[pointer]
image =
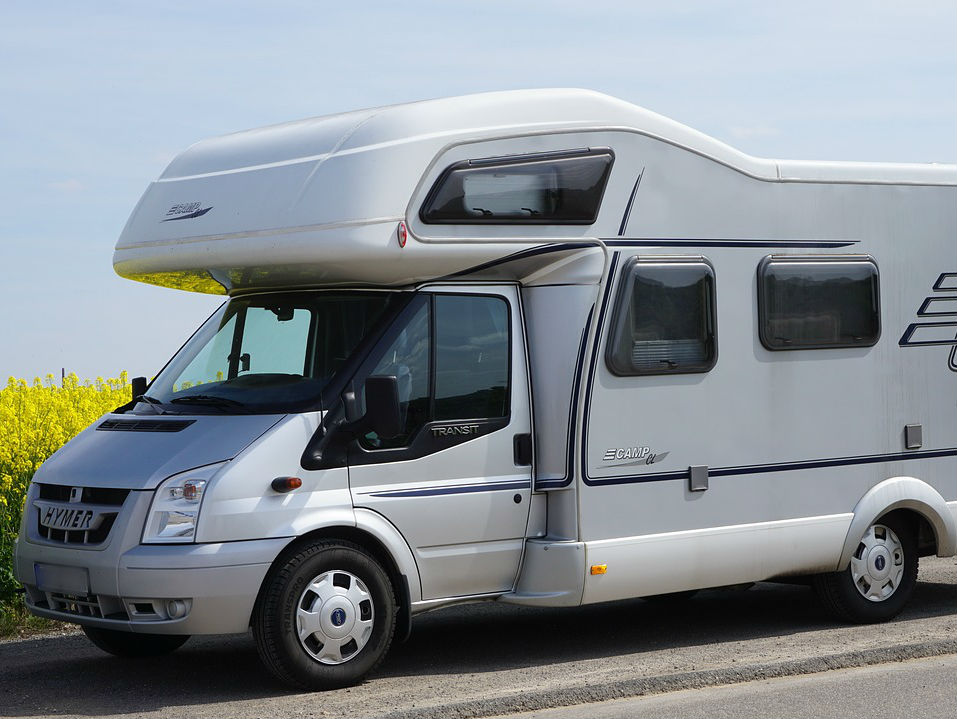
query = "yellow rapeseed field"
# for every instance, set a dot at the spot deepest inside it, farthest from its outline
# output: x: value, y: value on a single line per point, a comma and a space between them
x: 35, y: 420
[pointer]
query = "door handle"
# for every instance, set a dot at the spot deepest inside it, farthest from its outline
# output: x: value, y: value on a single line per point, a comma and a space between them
x: 522, y: 447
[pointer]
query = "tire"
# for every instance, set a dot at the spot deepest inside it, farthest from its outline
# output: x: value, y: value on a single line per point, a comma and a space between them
x: 132, y: 644
x: 671, y: 597
x: 325, y: 617
x: 880, y: 578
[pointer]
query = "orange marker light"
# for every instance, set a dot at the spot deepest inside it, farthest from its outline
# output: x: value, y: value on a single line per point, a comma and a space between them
x: 286, y: 484
x: 599, y: 568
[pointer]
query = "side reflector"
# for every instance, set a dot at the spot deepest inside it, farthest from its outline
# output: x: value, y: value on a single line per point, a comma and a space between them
x: 286, y: 484
x: 599, y: 568
x: 402, y: 233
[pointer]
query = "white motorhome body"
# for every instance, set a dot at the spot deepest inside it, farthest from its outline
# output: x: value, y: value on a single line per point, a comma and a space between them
x: 625, y: 358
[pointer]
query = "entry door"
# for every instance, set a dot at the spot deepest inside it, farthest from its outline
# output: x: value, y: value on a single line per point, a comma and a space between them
x: 455, y: 482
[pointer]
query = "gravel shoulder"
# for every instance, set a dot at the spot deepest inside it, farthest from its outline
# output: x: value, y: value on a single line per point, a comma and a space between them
x: 488, y: 659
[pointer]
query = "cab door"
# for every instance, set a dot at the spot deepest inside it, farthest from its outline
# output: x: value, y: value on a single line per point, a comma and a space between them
x: 457, y: 481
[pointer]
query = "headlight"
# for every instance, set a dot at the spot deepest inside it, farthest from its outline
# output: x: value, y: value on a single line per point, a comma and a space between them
x: 175, y: 511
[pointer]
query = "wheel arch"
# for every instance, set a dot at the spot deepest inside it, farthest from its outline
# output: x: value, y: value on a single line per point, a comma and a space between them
x: 379, y: 537
x: 902, y: 495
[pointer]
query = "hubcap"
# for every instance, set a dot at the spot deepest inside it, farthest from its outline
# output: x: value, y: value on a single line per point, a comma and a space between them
x: 877, y: 566
x: 334, y: 617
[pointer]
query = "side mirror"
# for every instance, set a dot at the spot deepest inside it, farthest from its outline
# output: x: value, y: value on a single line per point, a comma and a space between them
x: 138, y: 385
x: 383, y: 415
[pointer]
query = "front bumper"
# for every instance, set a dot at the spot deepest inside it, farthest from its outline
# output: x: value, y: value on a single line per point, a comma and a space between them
x: 154, y: 589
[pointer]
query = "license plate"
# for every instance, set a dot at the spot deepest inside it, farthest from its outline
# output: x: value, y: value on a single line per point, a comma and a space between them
x: 69, y: 580
x: 73, y: 519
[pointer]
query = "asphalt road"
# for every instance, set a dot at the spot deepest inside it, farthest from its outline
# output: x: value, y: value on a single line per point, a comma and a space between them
x: 925, y: 688
x: 488, y: 659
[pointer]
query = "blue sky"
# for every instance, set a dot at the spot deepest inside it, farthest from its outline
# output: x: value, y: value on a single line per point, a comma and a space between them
x: 98, y: 96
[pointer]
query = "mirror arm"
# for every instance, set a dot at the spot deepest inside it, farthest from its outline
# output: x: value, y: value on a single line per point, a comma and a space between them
x: 316, y: 453
x: 350, y: 406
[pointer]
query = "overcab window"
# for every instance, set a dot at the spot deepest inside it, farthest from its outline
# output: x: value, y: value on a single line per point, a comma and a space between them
x: 664, y: 318
x: 553, y: 188
x: 818, y: 302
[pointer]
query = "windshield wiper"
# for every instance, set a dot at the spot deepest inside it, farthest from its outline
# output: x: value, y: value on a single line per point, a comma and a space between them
x: 152, y: 401
x: 208, y: 399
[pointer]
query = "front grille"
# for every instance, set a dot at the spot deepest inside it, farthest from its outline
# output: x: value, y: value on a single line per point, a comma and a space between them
x: 83, y: 605
x: 80, y: 605
x: 89, y: 495
x: 105, y: 502
x: 145, y: 425
x: 67, y: 536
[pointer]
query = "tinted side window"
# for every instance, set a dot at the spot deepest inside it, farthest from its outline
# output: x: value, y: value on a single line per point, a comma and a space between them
x: 818, y: 303
x: 471, y: 357
x: 451, y: 361
x: 408, y: 359
x: 664, y: 319
x: 550, y: 188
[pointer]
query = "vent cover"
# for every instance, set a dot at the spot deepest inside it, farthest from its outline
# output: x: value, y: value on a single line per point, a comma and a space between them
x: 145, y: 425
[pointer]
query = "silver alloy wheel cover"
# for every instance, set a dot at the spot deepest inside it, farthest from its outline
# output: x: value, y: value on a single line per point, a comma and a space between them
x: 877, y: 567
x: 334, y: 622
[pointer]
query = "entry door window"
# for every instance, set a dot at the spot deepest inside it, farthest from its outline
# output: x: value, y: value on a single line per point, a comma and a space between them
x: 451, y: 360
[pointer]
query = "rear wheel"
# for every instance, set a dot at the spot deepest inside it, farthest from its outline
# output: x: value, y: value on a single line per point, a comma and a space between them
x: 131, y: 644
x: 326, y: 616
x: 880, y: 578
x: 671, y: 597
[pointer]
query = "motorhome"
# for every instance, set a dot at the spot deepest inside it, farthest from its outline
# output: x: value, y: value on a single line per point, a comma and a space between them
x: 540, y: 347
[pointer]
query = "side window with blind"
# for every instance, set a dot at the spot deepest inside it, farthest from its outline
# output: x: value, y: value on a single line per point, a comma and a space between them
x: 451, y: 362
x: 664, y: 318
x: 818, y: 302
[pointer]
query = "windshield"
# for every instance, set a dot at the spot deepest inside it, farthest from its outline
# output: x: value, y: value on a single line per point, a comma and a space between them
x: 267, y: 353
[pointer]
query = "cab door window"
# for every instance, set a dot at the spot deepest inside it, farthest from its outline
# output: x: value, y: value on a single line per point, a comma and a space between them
x: 451, y: 362
x: 471, y: 357
x: 408, y: 358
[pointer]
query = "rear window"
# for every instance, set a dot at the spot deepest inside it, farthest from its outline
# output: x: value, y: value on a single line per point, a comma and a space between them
x: 545, y: 188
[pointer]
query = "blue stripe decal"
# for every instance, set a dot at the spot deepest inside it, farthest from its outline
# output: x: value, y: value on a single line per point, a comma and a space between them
x: 631, y: 202
x: 780, y: 467
x: 649, y: 242
x: 463, y: 489
x: 906, y: 341
x: 947, y: 282
x: 522, y: 255
x: 677, y: 242
x: 926, y: 311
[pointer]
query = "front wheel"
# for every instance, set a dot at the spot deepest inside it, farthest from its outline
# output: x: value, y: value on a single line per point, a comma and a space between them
x: 130, y: 644
x: 880, y: 578
x: 325, y: 617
